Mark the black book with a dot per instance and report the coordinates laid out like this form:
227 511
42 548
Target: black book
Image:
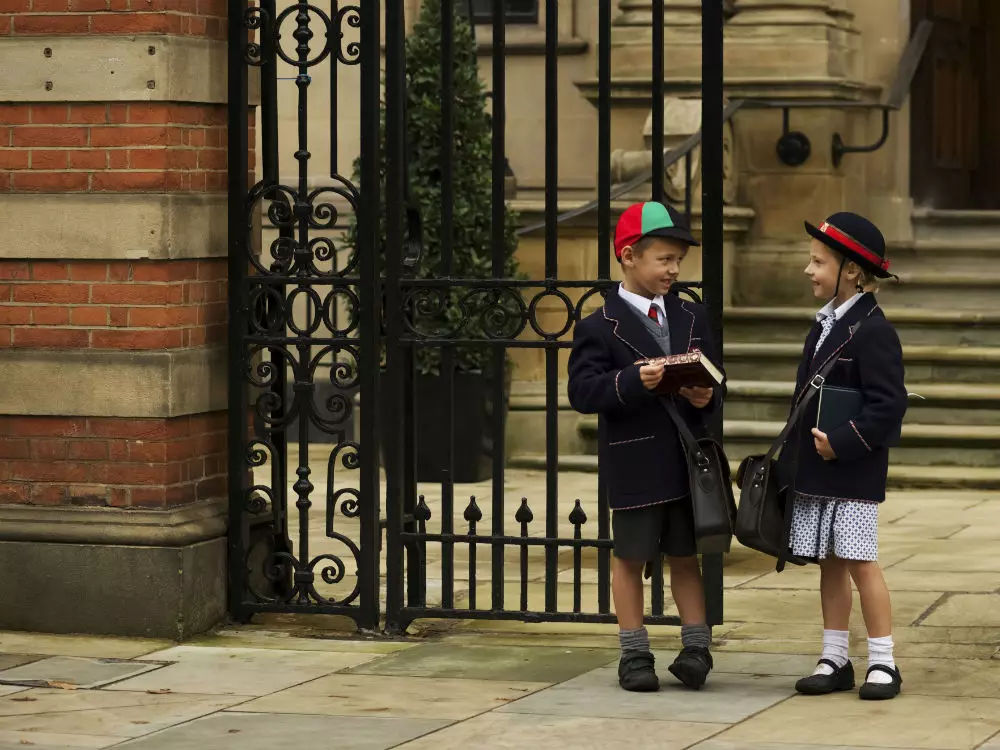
837 407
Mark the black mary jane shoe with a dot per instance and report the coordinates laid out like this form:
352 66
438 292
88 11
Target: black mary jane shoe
878 691
823 684
692 666
636 673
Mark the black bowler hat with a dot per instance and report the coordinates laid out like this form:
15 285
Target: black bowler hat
855 238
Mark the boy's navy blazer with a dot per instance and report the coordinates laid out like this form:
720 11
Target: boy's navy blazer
639 449
870 360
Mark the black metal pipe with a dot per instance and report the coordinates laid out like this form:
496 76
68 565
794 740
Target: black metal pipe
240 227
657 100
712 219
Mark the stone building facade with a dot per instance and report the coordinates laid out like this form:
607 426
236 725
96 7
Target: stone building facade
113 244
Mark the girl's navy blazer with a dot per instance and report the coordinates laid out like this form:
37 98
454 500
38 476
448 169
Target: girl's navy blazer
639 449
871 360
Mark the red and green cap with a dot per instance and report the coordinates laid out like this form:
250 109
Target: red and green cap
650 219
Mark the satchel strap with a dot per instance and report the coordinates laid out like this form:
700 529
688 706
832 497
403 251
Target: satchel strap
688 438
812 388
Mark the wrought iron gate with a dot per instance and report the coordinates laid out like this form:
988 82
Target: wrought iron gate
326 327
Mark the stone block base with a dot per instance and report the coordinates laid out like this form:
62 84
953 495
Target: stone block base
172 587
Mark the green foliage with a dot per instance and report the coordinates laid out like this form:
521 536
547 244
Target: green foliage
473 185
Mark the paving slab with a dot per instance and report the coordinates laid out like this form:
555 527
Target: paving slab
99 713
898 578
912 721
720 744
412 697
977 610
505 663
783 607
788 665
497 731
959 678
968 556
78 645
726 699
274 639
74 671
9 661
236 731
238 671
53 741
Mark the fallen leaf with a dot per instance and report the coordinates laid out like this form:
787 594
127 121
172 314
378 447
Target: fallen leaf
25 742
140 722
62 685
235 731
161 691
25 699
377 709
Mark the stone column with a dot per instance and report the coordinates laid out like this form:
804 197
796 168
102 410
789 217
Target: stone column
793 49
113 287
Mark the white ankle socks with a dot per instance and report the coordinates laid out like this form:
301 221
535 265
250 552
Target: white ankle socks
834 649
880 652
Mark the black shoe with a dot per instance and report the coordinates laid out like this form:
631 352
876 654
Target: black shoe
636 673
822 684
692 666
876 691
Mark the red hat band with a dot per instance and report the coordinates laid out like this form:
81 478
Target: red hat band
845 239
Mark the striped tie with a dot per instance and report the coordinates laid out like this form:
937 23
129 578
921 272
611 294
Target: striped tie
653 316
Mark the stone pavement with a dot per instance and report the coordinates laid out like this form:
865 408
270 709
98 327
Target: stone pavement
302 683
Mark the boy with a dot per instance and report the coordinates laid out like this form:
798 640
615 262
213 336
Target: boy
639 448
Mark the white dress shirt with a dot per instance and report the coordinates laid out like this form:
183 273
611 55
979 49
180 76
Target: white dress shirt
642 304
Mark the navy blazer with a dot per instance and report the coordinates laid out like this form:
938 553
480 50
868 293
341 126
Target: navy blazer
639 449
870 360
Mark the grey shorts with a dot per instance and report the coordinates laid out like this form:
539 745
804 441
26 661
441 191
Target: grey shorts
646 533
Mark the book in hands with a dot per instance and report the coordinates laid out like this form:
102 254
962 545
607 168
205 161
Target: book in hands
837 407
691 370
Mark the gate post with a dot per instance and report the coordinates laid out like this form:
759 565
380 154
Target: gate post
113 288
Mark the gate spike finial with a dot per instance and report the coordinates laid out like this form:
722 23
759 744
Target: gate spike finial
524 514
577 516
421 512
472 513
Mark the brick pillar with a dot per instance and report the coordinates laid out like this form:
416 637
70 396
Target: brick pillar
113 315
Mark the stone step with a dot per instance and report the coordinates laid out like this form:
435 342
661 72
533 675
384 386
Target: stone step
924 363
941 255
942 403
901 476
915 327
953 290
932 224
921 445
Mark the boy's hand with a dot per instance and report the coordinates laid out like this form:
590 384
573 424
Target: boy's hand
823 446
699 397
651 375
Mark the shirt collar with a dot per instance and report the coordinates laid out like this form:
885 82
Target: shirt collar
641 303
828 310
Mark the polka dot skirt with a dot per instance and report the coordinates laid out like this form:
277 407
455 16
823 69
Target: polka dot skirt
854 535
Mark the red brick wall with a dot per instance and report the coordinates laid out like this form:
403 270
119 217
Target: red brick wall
204 18
112 147
139 463
117 305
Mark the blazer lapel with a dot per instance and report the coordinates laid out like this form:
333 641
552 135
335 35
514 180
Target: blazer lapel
681 322
627 327
842 333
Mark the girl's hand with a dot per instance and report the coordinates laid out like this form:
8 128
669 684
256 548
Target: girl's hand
699 397
823 446
651 375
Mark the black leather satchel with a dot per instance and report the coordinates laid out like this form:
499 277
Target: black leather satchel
764 516
711 487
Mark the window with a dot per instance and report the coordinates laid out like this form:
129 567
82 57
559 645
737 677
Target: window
515 11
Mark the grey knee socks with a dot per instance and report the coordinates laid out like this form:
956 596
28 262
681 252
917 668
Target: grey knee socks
699 636
634 640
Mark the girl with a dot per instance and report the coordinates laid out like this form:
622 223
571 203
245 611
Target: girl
841 476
